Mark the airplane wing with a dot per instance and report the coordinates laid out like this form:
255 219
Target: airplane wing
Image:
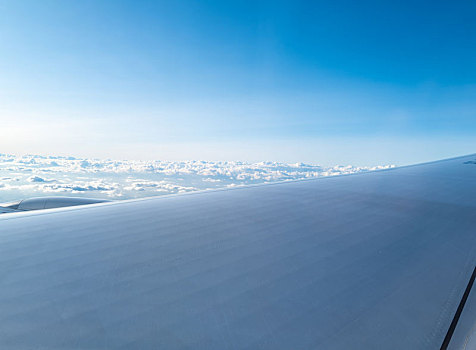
380 260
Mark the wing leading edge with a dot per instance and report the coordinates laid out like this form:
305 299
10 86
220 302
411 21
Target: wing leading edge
375 260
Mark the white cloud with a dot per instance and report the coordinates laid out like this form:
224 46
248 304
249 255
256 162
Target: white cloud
209 179
32 175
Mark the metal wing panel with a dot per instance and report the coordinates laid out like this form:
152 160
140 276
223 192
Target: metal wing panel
376 260
464 335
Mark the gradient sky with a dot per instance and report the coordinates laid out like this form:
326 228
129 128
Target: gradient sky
360 82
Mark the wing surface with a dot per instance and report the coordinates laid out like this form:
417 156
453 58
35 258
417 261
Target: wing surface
368 261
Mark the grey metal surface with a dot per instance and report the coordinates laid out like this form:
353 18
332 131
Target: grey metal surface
38 203
6 210
367 261
464 337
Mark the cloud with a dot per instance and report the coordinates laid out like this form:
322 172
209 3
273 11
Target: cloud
36 179
208 179
157 186
33 175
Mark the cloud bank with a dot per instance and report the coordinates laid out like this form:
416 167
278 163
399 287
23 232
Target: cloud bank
34 175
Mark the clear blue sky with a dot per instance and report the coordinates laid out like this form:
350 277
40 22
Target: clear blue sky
315 81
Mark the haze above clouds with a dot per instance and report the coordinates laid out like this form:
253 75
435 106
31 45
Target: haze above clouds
33 175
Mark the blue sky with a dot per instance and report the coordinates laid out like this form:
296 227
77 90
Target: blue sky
362 82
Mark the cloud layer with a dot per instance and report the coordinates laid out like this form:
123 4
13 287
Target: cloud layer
33 175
